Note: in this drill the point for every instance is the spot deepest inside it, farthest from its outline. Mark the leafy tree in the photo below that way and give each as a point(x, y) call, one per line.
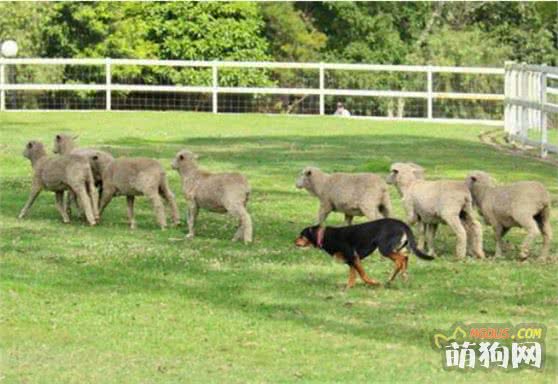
point(185, 30)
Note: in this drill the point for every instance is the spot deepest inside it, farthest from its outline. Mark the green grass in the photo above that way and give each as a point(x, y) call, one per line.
point(111, 305)
point(552, 136)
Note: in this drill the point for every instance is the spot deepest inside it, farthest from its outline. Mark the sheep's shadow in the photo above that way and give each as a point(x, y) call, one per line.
point(375, 152)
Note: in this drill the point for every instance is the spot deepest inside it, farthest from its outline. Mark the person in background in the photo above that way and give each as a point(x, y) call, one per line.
point(341, 111)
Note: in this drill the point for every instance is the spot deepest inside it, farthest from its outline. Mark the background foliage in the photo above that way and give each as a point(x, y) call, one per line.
point(437, 33)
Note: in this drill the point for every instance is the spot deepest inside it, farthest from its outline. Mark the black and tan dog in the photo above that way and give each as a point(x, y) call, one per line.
point(353, 243)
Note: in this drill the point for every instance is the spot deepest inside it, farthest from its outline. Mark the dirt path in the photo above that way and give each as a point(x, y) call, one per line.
point(496, 140)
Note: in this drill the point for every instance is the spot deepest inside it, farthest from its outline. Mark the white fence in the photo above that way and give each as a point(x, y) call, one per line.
point(323, 84)
point(527, 106)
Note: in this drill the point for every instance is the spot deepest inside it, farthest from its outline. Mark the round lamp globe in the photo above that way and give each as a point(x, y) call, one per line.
point(9, 48)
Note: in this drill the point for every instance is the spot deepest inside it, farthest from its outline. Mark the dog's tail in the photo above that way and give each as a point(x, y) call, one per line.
point(412, 245)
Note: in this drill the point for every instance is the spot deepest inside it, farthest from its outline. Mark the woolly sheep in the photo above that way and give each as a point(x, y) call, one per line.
point(435, 202)
point(216, 192)
point(524, 204)
point(58, 174)
point(136, 176)
point(361, 194)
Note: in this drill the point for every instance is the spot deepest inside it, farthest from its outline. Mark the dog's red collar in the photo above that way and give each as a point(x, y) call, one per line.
point(320, 237)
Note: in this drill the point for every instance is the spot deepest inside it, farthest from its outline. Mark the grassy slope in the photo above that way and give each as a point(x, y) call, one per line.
point(107, 304)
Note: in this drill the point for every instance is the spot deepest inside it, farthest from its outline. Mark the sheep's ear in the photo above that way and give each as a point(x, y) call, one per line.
point(181, 157)
point(95, 157)
point(58, 137)
point(196, 156)
point(394, 171)
point(29, 145)
point(308, 173)
point(473, 179)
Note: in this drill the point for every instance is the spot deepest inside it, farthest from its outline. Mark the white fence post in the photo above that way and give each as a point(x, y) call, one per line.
point(2, 82)
point(507, 94)
point(108, 82)
point(215, 86)
point(430, 93)
point(322, 87)
point(542, 116)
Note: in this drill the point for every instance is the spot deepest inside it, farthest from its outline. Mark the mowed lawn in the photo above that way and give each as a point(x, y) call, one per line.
point(112, 305)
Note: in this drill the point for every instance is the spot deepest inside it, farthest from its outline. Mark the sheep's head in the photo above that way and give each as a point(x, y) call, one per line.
point(184, 159)
point(478, 178)
point(63, 144)
point(34, 150)
point(401, 174)
point(99, 162)
point(305, 178)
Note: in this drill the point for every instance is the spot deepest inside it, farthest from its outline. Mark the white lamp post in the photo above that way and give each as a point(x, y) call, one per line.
point(8, 49)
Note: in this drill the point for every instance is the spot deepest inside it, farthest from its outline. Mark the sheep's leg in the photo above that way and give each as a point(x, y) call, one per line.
point(107, 195)
point(385, 205)
point(474, 236)
point(430, 236)
point(422, 233)
point(66, 203)
point(85, 202)
point(244, 231)
point(530, 225)
point(324, 211)
point(93, 195)
point(348, 219)
point(170, 199)
point(192, 215)
point(61, 207)
point(461, 235)
point(131, 218)
point(544, 226)
point(35, 191)
point(498, 235)
point(72, 200)
point(158, 208)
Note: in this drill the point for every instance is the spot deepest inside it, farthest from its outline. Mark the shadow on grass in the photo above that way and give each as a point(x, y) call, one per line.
point(371, 152)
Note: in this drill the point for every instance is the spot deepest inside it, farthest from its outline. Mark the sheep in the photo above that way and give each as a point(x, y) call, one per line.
point(361, 194)
point(135, 176)
point(60, 173)
point(433, 202)
point(523, 204)
point(216, 192)
point(65, 145)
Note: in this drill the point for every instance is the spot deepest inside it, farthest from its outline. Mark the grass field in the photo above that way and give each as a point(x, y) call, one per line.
point(111, 305)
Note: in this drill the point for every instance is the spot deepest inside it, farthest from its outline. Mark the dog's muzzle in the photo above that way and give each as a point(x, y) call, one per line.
point(302, 242)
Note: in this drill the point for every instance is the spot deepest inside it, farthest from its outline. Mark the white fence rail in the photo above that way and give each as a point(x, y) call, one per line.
point(526, 105)
point(427, 93)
